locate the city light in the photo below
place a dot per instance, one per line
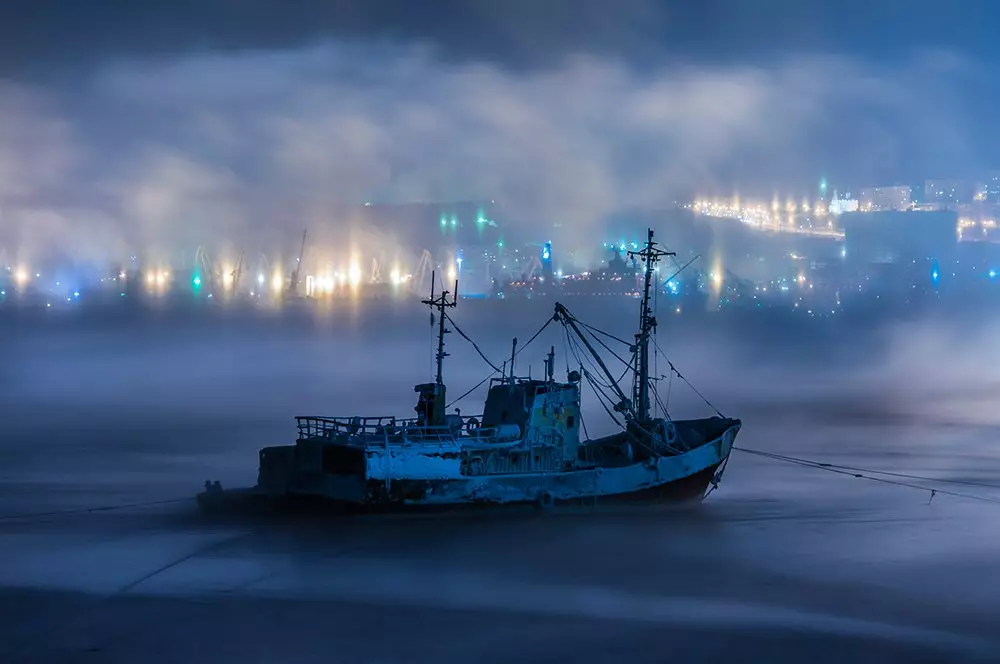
(354, 274)
(791, 218)
(21, 277)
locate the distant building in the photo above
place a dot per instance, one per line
(881, 199)
(840, 205)
(992, 187)
(946, 192)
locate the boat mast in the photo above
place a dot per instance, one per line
(440, 304)
(647, 323)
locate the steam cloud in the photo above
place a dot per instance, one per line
(163, 155)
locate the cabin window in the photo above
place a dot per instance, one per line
(570, 421)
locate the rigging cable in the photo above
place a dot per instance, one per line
(627, 369)
(867, 474)
(681, 376)
(656, 357)
(533, 337)
(599, 395)
(579, 355)
(591, 380)
(495, 368)
(473, 389)
(566, 353)
(670, 386)
(659, 401)
(604, 345)
(595, 330)
(604, 399)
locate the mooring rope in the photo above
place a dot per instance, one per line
(89, 510)
(867, 474)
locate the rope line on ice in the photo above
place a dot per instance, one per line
(88, 510)
(870, 473)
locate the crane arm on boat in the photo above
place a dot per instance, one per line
(567, 319)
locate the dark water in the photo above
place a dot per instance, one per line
(782, 563)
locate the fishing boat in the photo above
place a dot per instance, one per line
(526, 447)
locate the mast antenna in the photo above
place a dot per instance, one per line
(440, 304)
(650, 254)
(513, 354)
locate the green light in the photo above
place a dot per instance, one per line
(500, 244)
(454, 221)
(196, 281)
(444, 221)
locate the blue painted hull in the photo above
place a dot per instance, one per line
(675, 478)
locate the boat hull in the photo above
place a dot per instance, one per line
(678, 478)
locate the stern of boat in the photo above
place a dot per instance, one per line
(274, 469)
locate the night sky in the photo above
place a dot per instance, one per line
(131, 124)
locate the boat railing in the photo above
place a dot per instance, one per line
(424, 435)
(395, 430)
(332, 427)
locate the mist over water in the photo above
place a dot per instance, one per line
(146, 406)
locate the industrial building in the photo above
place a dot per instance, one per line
(945, 192)
(881, 199)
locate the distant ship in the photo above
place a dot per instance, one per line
(618, 277)
(525, 448)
